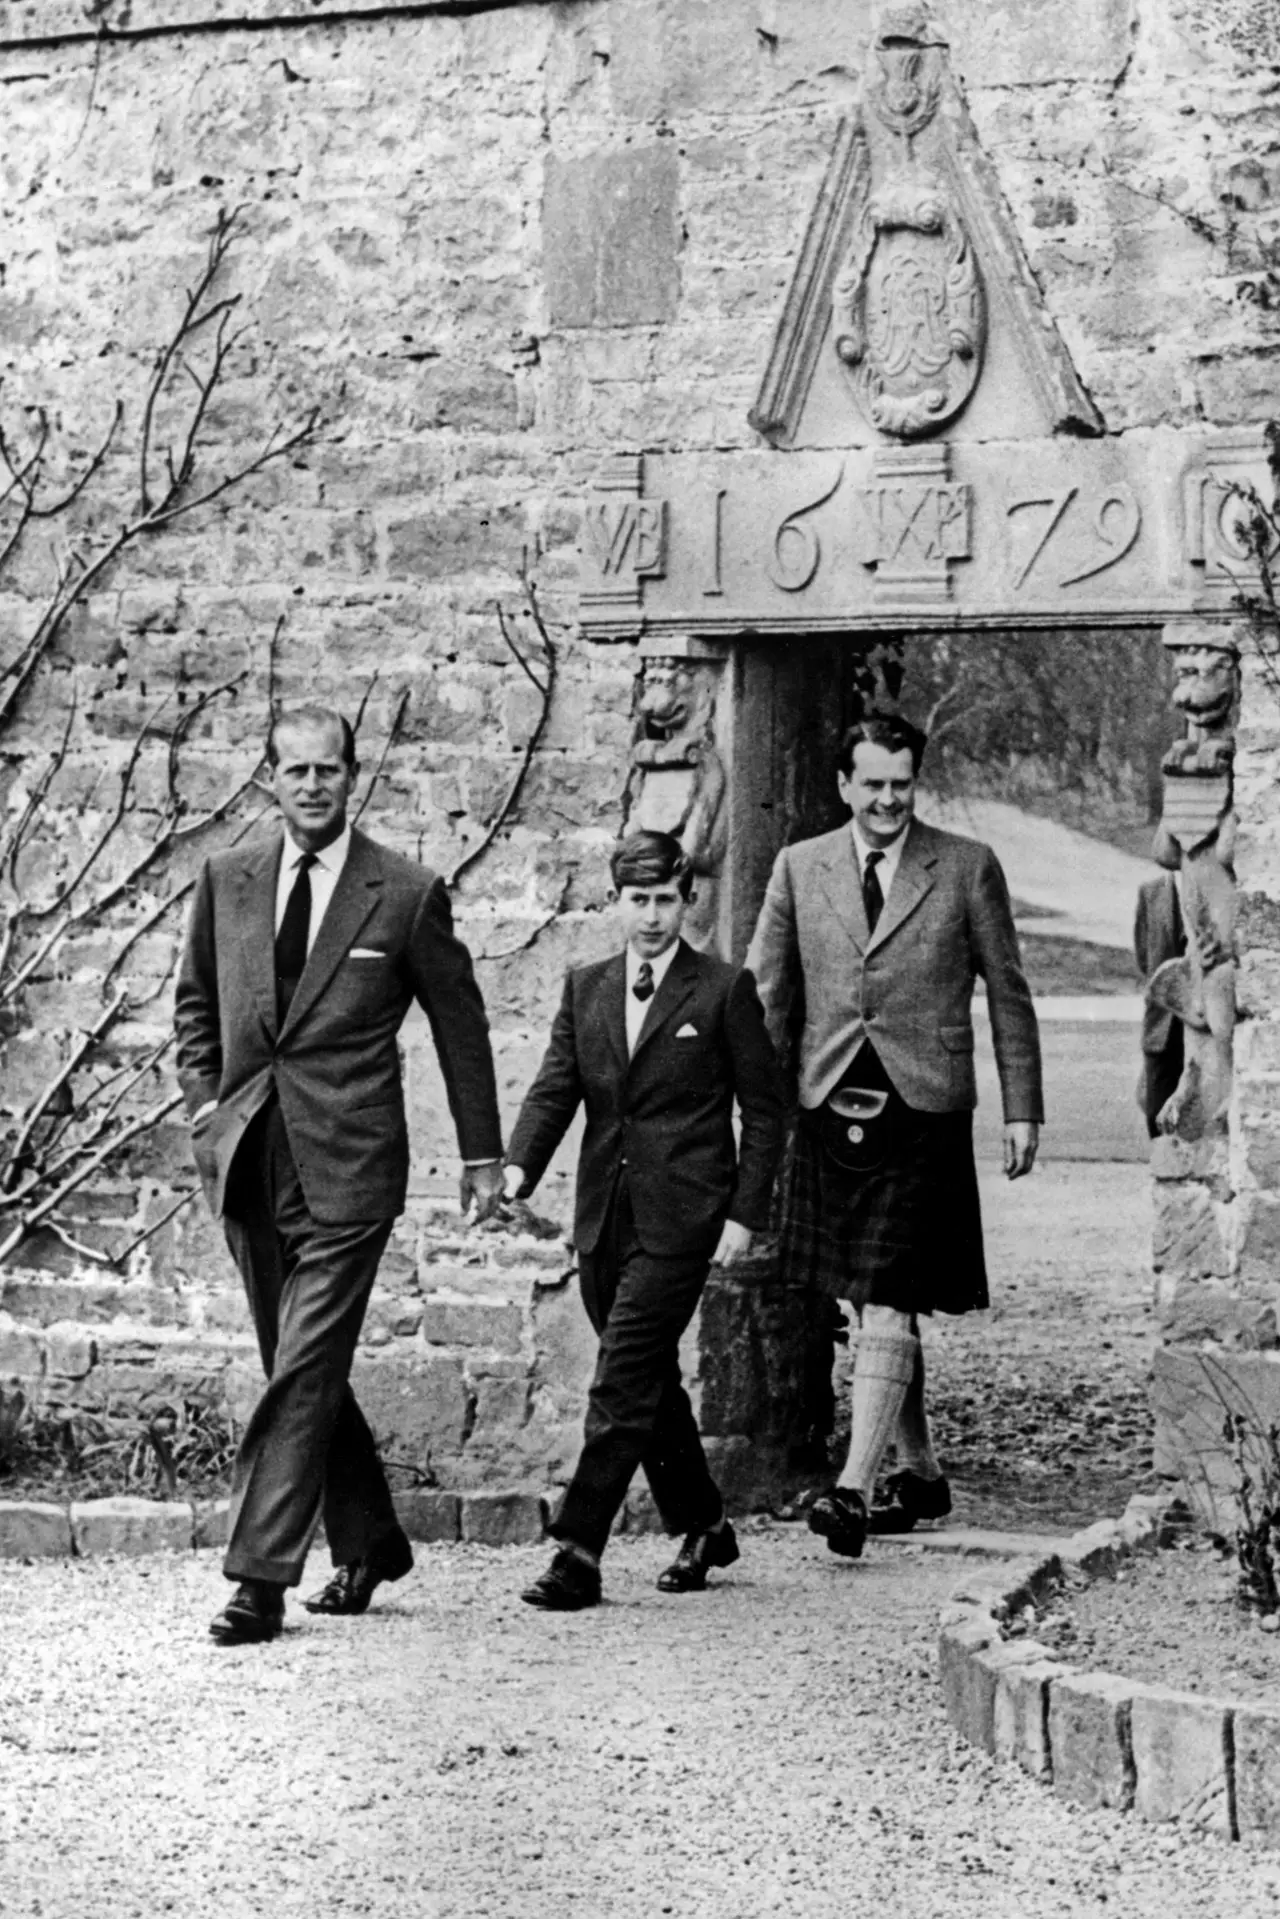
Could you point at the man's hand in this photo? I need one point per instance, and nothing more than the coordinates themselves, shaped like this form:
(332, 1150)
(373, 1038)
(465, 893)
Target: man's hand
(513, 1178)
(484, 1185)
(1021, 1138)
(735, 1242)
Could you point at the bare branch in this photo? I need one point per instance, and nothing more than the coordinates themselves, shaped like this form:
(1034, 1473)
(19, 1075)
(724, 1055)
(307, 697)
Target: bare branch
(79, 1052)
(546, 690)
(146, 1122)
(124, 1253)
(397, 722)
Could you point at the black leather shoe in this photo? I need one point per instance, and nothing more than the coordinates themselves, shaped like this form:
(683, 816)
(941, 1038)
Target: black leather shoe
(840, 1516)
(353, 1585)
(908, 1498)
(687, 1572)
(254, 1612)
(567, 1585)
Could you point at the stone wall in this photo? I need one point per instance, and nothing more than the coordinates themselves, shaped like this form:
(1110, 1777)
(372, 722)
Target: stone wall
(495, 246)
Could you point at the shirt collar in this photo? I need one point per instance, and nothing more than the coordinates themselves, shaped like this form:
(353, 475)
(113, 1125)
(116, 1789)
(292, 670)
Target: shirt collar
(659, 965)
(892, 852)
(332, 857)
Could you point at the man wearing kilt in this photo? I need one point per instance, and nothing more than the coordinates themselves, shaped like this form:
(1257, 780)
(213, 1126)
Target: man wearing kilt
(866, 953)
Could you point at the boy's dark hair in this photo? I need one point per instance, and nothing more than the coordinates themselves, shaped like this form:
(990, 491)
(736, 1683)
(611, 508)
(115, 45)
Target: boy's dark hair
(651, 859)
(889, 730)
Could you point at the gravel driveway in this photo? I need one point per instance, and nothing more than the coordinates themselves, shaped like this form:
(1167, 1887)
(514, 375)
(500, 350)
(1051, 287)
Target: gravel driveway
(776, 1746)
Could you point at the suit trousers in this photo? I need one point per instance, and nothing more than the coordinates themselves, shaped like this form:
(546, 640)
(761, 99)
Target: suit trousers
(307, 1448)
(638, 1413)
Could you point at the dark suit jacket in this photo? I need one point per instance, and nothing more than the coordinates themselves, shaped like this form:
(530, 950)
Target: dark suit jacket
(334, 1065)
(908, 988)
(668, 1110)
(1158, 935)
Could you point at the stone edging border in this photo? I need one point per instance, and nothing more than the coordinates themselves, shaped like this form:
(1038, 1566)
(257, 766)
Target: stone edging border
(132, 1527)
(1099, 1739)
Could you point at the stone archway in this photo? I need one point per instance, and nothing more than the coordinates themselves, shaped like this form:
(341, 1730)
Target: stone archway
(931, 461)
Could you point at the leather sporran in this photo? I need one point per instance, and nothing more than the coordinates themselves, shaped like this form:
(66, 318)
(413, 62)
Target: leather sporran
(855, 1126)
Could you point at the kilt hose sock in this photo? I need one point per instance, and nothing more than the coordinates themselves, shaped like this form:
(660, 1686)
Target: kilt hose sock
(913, 1440)
(888, 1352)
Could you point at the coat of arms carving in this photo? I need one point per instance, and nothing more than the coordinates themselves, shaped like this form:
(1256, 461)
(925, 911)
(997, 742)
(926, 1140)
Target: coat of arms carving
(910, 262)
(910, 315)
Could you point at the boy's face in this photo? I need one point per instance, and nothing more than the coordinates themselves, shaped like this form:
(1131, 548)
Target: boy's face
(651, 917)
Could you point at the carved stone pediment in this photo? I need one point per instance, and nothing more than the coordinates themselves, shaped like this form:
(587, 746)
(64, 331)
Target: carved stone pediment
(911, 259)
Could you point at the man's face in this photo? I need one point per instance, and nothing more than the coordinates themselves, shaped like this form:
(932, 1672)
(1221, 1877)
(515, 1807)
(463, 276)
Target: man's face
(651, 917)
(880, 791)
(312, 783)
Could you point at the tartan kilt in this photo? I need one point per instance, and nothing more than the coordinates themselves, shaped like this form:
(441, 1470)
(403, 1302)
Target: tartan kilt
(907, 1235)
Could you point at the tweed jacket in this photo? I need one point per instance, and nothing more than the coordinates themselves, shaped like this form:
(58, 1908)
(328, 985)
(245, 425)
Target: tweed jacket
(386, 939)
(666, 1112)
(908, 988)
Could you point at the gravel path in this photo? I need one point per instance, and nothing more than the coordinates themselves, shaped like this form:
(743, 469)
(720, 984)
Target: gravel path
(774, 1747)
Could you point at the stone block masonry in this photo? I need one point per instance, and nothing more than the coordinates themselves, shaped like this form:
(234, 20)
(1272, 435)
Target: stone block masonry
(496, 246)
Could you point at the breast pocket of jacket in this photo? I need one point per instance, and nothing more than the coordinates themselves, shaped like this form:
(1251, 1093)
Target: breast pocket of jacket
(364, 979)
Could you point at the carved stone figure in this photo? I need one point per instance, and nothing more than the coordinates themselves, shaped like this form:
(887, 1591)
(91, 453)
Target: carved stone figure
(678, 777)
(1196, 838)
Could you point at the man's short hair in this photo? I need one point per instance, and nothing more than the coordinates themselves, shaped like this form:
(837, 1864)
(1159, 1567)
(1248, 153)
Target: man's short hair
(889, 730)
(312, 716)
(651, 859)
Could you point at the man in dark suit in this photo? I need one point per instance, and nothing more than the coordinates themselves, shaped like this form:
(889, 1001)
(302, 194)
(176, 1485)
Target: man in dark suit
(867, 949)
(657, 1044)
(304, 952)
(1159, 934)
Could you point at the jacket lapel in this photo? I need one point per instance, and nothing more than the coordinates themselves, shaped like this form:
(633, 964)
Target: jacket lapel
(677, 986)
(256, 924)
(913, 879)
(842, 884)
(354, 898)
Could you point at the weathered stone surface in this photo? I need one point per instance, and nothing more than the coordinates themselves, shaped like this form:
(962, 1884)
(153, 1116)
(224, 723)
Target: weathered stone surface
(1096, 1550)
(1090, 1741)
(1182, 1757)
(977, 1698)
(958, 1642)
(212, 1522)
(131, 1526)
(1187, 1232)
(1192, 1311)
(502, 1519)
(429, 1515)
(1020, 1714)
(21, 1352)
(496, 1324)
(31, 1530)
(418, 1406)
(1256, 1766)
(610, 237)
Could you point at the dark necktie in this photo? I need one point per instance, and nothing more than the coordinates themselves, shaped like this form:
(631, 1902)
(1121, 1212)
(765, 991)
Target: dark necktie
(291, 940)
(872, 897)
(643, 988)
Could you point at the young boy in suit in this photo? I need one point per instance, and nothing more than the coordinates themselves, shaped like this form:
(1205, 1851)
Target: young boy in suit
(657, 1043)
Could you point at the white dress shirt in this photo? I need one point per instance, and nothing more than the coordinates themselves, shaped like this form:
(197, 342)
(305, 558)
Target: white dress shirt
(324, 876)
(890, 862)
(637, 1008)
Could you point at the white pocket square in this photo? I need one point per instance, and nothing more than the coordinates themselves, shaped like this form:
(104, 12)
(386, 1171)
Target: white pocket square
(687, 1032)
(365, 952)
